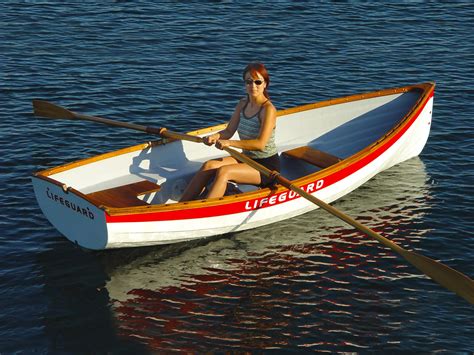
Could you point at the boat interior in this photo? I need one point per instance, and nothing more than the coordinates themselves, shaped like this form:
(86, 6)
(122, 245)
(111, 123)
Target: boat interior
(308, 140)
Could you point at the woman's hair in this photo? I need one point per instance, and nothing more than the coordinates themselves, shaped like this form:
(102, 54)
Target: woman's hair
(253, 69)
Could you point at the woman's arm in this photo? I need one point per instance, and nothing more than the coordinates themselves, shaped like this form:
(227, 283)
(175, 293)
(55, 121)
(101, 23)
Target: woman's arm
(259, 143)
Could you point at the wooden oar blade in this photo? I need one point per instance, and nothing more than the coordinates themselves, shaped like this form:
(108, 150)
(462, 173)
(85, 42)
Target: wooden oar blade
(449, 278)
(47, 109)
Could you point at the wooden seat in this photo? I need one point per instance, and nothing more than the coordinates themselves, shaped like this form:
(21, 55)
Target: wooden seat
(124, 196)
(313, 156)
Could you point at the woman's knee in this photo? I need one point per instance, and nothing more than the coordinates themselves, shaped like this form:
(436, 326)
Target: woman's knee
(223, 173)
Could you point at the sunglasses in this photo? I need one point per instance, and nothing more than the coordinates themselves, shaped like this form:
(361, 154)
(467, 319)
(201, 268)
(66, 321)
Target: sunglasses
(257, 82)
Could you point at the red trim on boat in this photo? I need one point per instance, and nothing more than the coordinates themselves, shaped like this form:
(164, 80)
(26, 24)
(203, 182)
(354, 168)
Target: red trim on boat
(266, 201)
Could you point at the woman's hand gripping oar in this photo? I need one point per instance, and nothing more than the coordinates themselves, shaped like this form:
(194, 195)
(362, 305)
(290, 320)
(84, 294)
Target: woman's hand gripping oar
(444, 275)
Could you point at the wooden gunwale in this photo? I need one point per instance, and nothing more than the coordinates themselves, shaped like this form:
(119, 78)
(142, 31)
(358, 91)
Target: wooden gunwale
(426, 88)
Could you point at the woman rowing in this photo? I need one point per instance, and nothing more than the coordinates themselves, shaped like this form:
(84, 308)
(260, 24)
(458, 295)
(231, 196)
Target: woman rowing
(254, 119)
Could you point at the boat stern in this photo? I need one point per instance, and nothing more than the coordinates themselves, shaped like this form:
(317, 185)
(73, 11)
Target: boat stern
(73, 216)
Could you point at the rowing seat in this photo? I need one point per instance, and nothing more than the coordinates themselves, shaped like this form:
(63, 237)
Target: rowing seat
(313, 156)
(125, 195)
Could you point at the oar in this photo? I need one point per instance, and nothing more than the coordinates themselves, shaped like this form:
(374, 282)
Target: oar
(49, 110)
(444, 275)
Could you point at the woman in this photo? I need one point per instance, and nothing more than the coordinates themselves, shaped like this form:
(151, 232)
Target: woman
(254, 118)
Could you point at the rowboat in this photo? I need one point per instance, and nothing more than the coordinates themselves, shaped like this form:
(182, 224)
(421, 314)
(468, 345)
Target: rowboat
(129, 197)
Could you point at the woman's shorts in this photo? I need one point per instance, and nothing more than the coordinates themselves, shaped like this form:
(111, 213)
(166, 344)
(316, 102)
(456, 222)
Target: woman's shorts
(272, 163)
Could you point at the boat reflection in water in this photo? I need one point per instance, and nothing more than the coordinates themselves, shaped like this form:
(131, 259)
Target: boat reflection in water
(311, 281)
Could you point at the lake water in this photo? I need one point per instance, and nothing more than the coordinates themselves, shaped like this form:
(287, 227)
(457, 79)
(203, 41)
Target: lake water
(310, 283)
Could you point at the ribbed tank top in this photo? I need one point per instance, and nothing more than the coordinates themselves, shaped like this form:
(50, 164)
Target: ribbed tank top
(249, 128)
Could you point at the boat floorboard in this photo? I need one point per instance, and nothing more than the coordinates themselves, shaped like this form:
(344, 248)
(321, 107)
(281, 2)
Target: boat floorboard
(124, 196)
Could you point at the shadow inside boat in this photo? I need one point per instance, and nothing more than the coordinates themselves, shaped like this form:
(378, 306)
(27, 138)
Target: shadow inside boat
(146, 166)
(367, 128)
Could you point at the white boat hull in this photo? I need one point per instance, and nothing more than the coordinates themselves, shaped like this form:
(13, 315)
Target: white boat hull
(89, 226)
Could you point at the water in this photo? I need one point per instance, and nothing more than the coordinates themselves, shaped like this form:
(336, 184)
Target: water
(311, 283)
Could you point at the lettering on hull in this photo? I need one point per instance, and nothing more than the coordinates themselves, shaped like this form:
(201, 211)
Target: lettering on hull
(282, 197)
(86, 212)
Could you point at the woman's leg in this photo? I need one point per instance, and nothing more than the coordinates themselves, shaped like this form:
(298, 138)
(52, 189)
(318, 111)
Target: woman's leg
(239, 173)
(203, 176)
